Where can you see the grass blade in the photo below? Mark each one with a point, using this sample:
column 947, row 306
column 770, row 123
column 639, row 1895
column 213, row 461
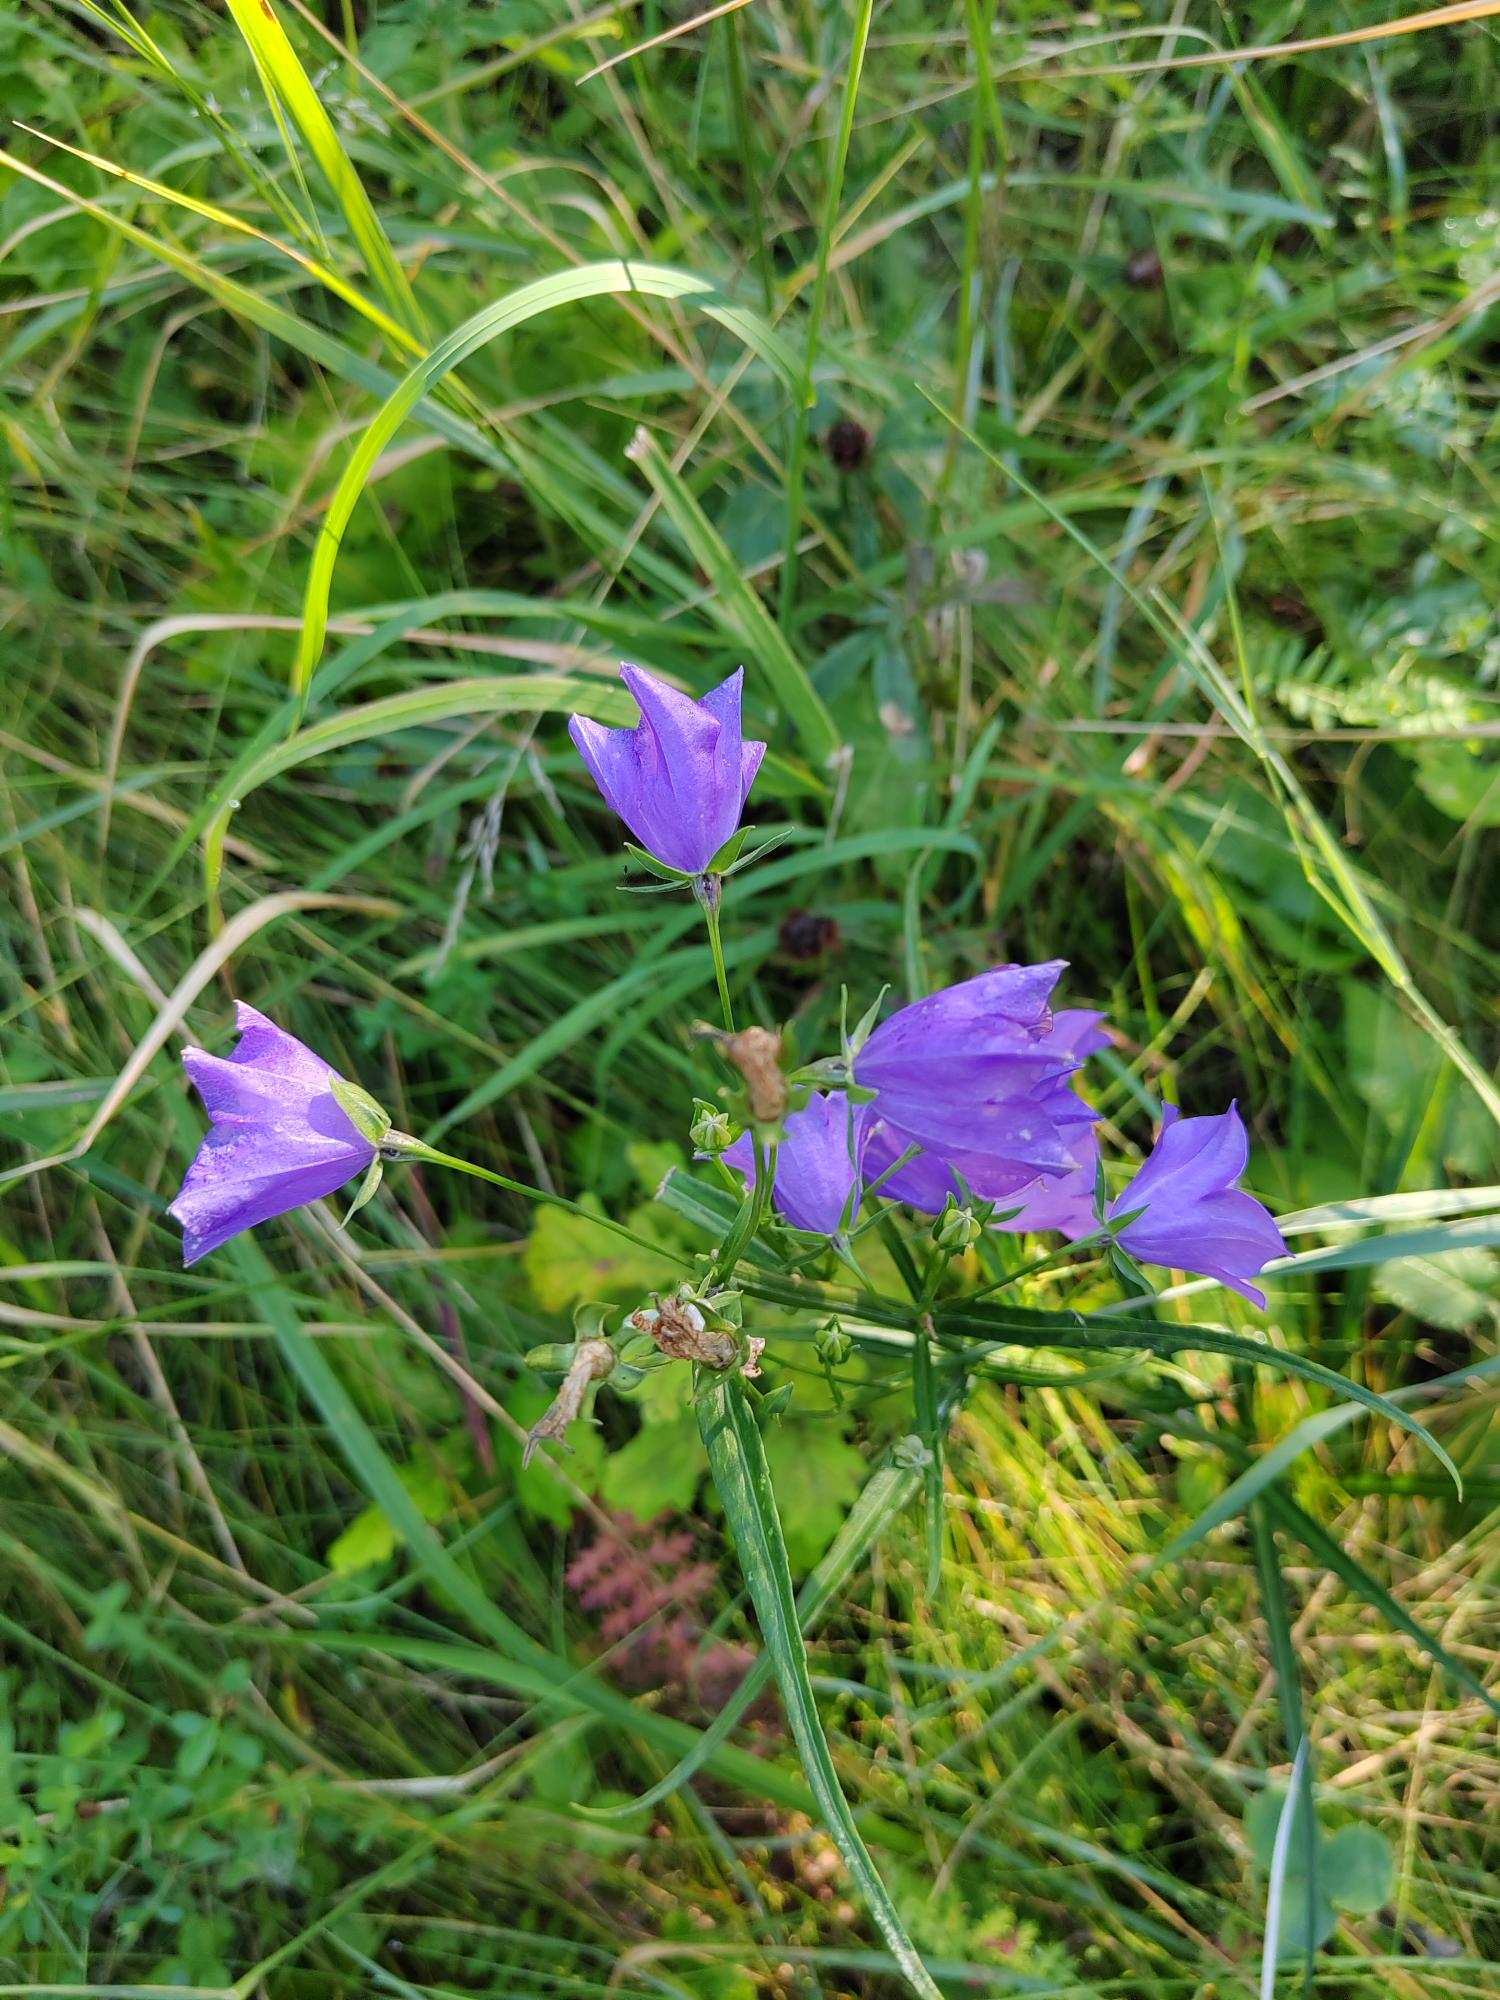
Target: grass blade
column 286, row 83
column 742, row 1480
column 587, row 281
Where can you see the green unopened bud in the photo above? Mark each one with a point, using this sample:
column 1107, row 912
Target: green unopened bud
column 832, row 1345
column 957, row 1228
column 710, row 1131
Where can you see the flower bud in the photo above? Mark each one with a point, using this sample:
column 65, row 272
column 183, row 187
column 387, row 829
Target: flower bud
column 911, row 1454
column 956, row 1229
column 832, row 1345
column 710, row 1131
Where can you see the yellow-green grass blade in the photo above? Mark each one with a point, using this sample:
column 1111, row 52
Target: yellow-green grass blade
column 287, row 85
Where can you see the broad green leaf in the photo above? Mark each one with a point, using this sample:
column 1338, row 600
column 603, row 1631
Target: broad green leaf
column 658, row 1470
column 1356, row 1869
column 569, row 1258
column 372, row 1536
column 1455, row 1290
column 817, row 1475
column 743, row 1482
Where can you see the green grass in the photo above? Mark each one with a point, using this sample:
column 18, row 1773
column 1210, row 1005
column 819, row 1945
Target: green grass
column 1159, row 615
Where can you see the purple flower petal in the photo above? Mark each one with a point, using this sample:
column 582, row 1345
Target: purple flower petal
column 681, row 777
column 979, row 1077
column 816, row 1164
column 1062, row 1205
column 1193, row 1217
column 278, row 1139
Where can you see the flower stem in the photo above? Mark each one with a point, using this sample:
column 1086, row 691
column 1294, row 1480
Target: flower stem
column 402, row 1146
column 746, row 1225
column 709, row 890
column 1047, row 1263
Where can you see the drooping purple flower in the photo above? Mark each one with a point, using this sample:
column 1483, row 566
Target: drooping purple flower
column 1194, row 1217
column 278, row 1137
column 976, row 1077
column 817, row 1163
column 681, row 777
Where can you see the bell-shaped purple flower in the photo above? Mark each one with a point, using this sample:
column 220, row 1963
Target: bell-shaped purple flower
column 1193, row 1216
column 817, row 1163
column 278, row 1138
column 1059, row 1205
column 681, row 777
column 975, row 1077
column 1063, row 1204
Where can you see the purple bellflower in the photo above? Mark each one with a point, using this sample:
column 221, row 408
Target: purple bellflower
column 817, row 1164
column 976, row 1078
column 1193, row 1216
column 681, row 777
column 278, row 1137
column 1063, row 1204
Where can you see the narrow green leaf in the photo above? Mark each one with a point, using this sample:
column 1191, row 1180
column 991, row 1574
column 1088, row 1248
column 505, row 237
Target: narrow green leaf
column 587, row 281
column 286, row 82
column 743, row 1482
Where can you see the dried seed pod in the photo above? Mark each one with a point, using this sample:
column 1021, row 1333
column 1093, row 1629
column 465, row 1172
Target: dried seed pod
column 756, row 1054
column 592, row 1361
column 681, row 1332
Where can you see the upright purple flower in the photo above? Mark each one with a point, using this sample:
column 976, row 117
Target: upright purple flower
column 976, row 1078
column 278, row 1138
column 817, row 1164
column 1193, row 1216
column 681, row 777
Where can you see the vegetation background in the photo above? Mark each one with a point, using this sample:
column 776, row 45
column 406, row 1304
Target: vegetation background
column 1139, row 533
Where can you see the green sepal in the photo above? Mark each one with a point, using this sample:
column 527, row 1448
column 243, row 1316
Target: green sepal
column 724, row 1312
column 774, row 1403
column 554, row 1357
column 596, row 1319
column 368, row 1187
column 729, row 853
column 662, row 869
column 365, row 1113
column 767, row 846
column 865, row 1026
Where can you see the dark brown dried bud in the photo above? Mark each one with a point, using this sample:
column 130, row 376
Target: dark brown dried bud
column 847, row 444
column 1144, row 271
column 806, row 936
column 680, row 1330
column 756, row 1054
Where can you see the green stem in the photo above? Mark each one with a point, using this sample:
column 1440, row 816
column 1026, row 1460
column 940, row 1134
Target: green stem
column 709, row 902
column 402, row 1146
column 746, row 1225
column 1047, row 1263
